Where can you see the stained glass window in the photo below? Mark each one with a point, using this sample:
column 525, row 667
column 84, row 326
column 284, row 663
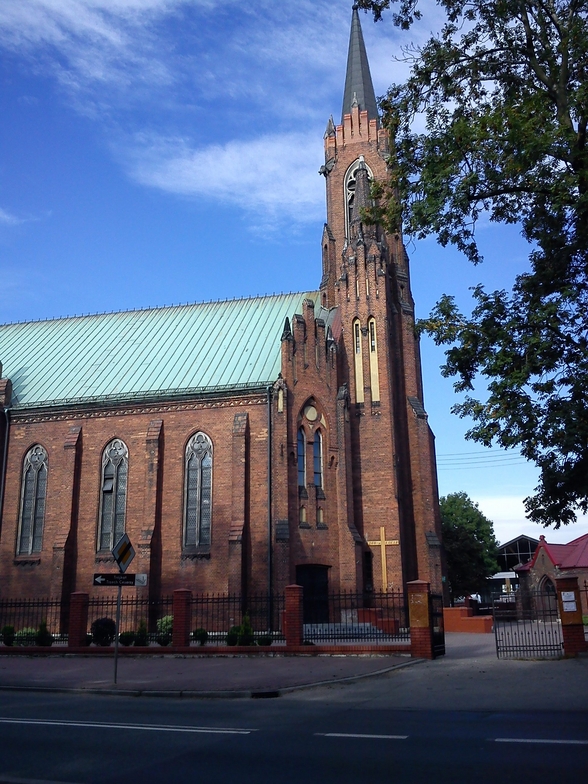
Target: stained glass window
column 115, row 469
column 32, row 509
column 198, row 500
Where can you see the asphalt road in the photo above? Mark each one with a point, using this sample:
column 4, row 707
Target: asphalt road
column 350, row 733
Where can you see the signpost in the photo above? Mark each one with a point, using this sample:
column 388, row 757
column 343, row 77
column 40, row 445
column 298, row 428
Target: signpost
column 120, row 579
column 123, row 554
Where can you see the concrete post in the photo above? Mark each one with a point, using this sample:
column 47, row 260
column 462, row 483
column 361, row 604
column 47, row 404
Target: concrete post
column 419, row 610
column 570, row 612
column 182, row 609
column 293, row 615
column 78, row 620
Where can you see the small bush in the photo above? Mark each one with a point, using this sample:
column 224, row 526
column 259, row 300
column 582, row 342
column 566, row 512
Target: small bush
column 200, row 636
column 265, row 639
column 103, row 631
column 246, row 634
column 142, row 637
column 26, row 636
column 233, row 635
column 44, row 636
column 7, row 635
column 127, row 638
column 165, row 628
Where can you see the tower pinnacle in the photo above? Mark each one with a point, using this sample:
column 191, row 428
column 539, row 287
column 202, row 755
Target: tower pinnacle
column 359, row 89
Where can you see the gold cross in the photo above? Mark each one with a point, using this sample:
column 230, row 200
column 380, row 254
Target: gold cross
column 382, row 543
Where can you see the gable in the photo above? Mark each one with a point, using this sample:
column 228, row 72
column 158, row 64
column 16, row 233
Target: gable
column 143, row 354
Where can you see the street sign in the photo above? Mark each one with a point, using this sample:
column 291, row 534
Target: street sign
column 120, row 579
column 123, row 552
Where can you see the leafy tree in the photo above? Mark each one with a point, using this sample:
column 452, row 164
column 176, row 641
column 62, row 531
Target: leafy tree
column 504, row 93
column 470, row 546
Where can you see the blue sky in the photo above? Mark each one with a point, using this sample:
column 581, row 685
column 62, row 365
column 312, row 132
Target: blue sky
column 154, row 152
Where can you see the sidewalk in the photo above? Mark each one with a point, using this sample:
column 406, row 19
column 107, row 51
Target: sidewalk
column 468, row 677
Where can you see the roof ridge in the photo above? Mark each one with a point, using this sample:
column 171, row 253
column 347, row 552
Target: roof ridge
column 150, row 308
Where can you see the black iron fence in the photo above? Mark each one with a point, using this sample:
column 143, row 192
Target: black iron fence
column 218, row 614
column 216, row 619
column 21, row 619
column 356, row 617
column 527, row 626
column 150, row 621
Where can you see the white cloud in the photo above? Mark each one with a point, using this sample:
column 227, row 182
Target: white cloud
column 7, row 219
column 274, row 177
column 508, row 515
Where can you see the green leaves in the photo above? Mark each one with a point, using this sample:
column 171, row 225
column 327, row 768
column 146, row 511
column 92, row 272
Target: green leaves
column 504, row 94
column 470, row 546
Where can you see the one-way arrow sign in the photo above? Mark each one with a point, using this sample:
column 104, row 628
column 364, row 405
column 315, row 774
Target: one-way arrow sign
column 120, row 579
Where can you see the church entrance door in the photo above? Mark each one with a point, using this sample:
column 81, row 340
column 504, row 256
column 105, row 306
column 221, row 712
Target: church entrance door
column 314, row 580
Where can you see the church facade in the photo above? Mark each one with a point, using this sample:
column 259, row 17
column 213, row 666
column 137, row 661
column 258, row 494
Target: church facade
column 241, row 445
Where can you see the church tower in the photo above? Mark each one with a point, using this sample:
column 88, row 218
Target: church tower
column 366, row 278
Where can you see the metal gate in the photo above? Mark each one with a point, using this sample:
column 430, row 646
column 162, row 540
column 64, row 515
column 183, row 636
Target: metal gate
column 527, row 626
column 437, row 625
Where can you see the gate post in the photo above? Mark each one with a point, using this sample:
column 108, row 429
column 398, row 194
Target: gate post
column 182, row 609
column 78, row 620
column 570, row 612
column 419, row 611
column 293, row 615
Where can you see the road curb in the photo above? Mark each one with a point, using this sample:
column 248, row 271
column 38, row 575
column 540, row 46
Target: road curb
column 229, row 694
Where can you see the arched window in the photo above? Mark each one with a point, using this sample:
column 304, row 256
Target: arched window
column 350, row 190
column 301, row 456
column 302, row 515
column 358, row 362
column 317, row 453
column 32, row 505
column 198, row 494
column 374, row 372
column 115, row 469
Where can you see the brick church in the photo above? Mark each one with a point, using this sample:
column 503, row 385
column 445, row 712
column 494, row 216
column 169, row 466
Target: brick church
column 242, row 445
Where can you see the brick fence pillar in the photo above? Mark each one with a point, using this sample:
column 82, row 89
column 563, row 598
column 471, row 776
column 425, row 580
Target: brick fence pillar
column 570, row 612
column 78, row 620
column 292, row 619
column 419, row 611
column 182, row 618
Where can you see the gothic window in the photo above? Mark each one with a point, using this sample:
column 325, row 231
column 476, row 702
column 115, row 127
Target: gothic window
column 320, row 516
column 374, row 372
column 350, row 191
column 302, row 515
column 301, row 455
column 358, row 362
column 32, row 506
column 317, row 452
column 198, row 494
column 113, row 503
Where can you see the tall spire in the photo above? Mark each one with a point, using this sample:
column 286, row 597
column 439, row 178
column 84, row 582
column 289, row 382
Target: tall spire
column 359, row 89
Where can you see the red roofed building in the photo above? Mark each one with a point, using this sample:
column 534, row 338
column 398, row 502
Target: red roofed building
column 556, row 560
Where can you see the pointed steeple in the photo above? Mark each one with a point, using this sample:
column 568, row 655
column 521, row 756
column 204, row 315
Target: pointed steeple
column 359, row 89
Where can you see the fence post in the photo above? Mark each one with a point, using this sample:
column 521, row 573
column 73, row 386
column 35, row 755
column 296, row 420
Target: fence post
column 182, row 609
column 78, row 620
column 419, row 609
column 293, row 615
column 570, row 612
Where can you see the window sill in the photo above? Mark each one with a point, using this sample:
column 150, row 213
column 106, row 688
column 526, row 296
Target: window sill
column 104, row 558
column 27, row 560
column 198, row 554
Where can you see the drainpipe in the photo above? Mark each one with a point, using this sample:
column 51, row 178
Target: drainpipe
column 4, row 457
column 269, row 512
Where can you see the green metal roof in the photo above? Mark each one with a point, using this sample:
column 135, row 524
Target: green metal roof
column 144, row 354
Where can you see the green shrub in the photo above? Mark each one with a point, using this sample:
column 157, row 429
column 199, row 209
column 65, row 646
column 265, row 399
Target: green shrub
column 7, row 635
column 142, row 637
column 127, row 638
column 246, row 634
column 44, row 636
column 233, row 635
column 165, row 628
column 103, row 631
column 265, row 639
column 26, row 636
column 200, row 636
